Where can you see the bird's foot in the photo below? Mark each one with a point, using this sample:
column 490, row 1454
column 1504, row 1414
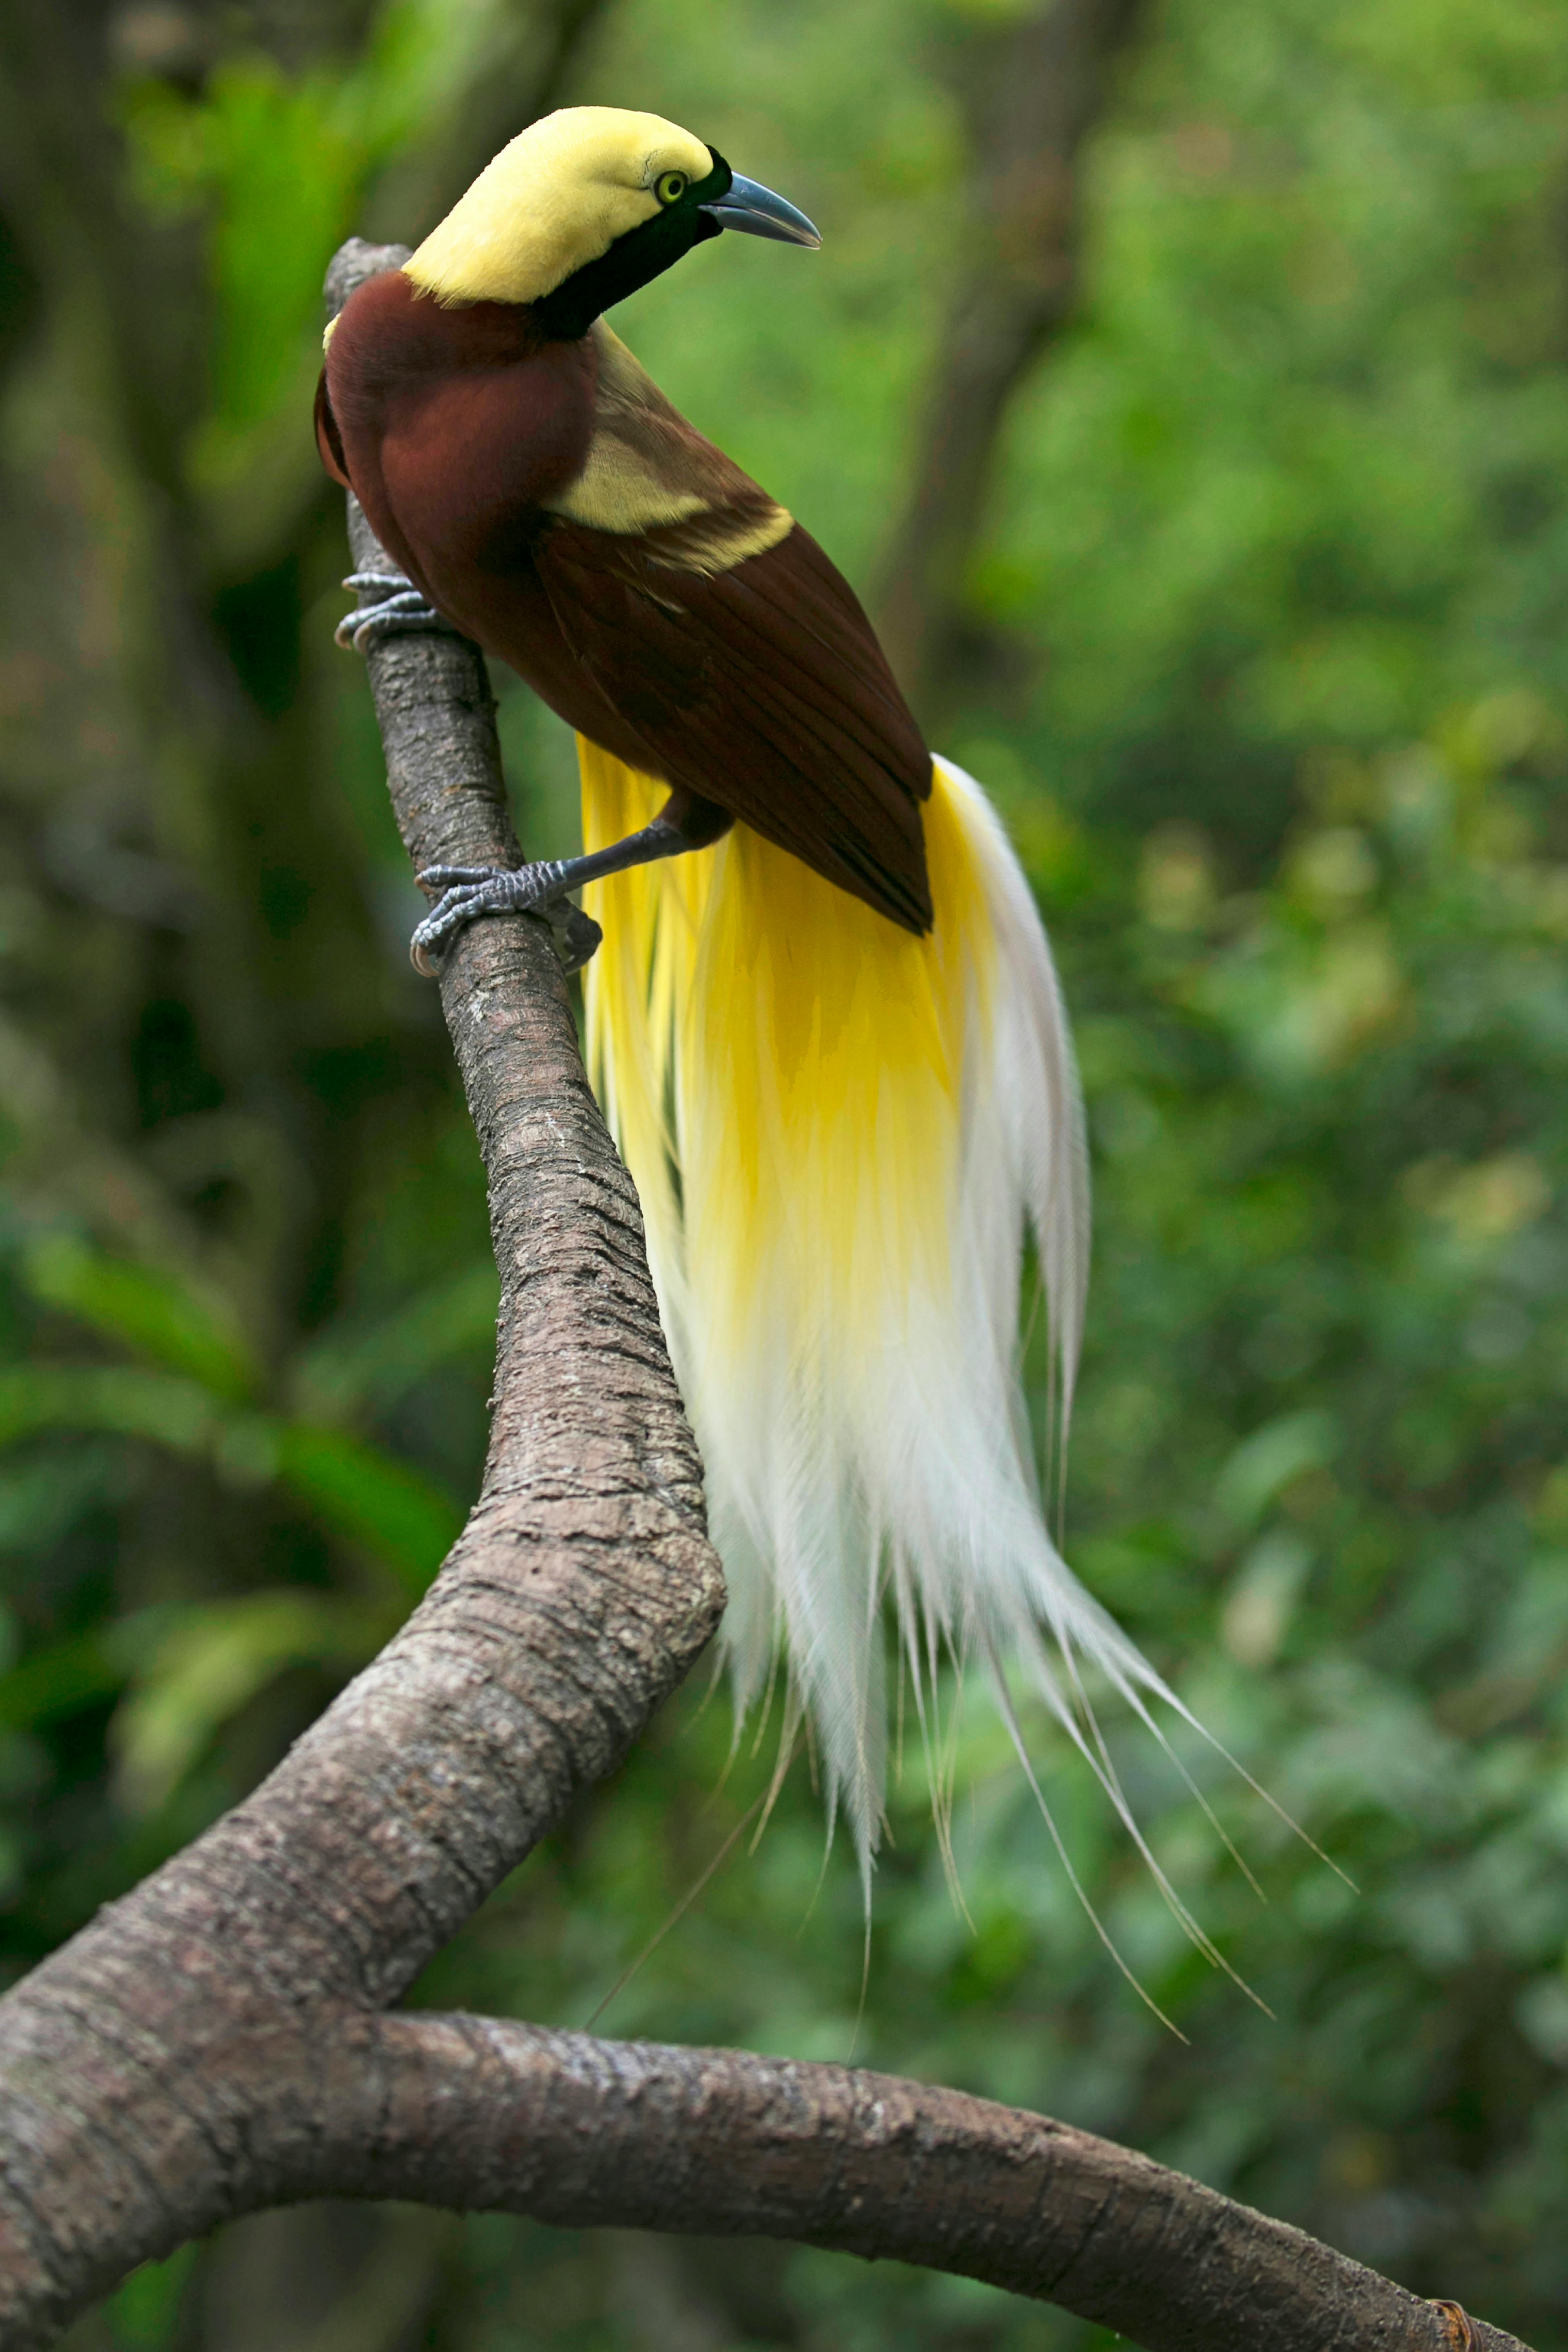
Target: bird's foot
column 577, row 935
column 469, row 892
column 401, row 611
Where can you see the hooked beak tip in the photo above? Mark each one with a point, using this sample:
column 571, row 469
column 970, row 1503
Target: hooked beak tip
column 748, row 206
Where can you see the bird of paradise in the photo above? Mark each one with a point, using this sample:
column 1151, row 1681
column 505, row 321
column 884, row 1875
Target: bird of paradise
column 824, row 1023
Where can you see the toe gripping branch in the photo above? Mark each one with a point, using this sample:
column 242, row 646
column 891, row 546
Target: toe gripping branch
column 400, row 611
column 470, row 891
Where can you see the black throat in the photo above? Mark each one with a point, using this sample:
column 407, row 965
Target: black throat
column 634, row 260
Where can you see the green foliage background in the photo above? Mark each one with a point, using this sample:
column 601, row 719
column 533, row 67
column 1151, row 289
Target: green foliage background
column 1283, row 528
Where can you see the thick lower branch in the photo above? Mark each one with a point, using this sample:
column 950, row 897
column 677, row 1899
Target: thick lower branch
column 481, row 2114
column 580, row 1592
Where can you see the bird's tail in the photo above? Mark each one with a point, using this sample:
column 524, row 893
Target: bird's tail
column 841, row 1135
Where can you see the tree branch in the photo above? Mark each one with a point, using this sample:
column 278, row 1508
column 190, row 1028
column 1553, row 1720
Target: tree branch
column 212, row 2043
column 580, row 1592
column 470, row 2111
column 1031, row 89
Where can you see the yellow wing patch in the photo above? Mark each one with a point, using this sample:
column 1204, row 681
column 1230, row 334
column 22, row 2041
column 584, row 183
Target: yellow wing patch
column 648, row 470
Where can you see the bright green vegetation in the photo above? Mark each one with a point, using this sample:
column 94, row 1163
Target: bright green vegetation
column 1286, row 524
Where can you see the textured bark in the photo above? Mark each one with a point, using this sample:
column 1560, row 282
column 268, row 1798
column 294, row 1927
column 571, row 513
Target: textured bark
column 469, row 2111
column 1031, row 89
column 214, row 2043
column 135, row 2061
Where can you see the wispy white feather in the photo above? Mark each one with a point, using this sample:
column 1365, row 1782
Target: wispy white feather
column 865, row 1127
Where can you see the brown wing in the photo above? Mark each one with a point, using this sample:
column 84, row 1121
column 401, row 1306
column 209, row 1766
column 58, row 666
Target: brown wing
column 761, row 687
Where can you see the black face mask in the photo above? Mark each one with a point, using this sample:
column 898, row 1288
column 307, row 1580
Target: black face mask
column 722, row 200
column 636, row 259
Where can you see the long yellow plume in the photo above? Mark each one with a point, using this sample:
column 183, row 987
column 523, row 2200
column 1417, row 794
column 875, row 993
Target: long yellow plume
column 839, row 1134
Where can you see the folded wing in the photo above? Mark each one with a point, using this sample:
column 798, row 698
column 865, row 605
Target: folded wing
column 721, row 633
column 761, row 687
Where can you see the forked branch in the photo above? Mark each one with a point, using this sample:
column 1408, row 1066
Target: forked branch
column 475, row 2112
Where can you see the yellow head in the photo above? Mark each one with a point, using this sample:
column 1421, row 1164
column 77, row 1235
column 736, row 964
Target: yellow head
column 556, row 199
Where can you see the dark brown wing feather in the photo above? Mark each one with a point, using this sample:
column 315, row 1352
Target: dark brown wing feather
column 761, row 688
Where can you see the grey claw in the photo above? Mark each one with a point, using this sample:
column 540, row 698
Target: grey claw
column 433, row 923
column 577, row 935
column 399, row 613
column 485, row 890
column 371, row 622
column 443, row 878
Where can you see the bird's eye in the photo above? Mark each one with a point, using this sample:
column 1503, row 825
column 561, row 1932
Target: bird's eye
column 670, row 187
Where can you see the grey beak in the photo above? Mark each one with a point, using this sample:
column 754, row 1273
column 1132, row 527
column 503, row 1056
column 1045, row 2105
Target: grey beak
column 756, row 210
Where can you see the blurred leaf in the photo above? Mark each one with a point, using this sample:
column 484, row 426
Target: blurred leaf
column 209, row 1663
column 371, row 1499
column 152, row 1311
column 59, row 1681
column 1267, row 1460
column 1262, row 1599
column 41, row 1500
column 110, row 1397
column 352, row 1488
column 373, row 1368
column 143, row 2314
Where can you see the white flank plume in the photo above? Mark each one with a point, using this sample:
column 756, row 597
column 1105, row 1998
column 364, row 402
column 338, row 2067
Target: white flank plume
column 864, row 1127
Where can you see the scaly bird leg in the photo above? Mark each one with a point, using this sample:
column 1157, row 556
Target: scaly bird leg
column 401, row 611
column 471, row 891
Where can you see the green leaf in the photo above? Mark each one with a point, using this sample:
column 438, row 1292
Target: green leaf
column 59, row 1681
column 143, row 2314
column 209, row 1663
column 352, row 1488
column 1266, row 1462
column 115, row 1398
column 43, row 1498
column 371, row 1499
column 377, row 1365
column 152, row 1311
